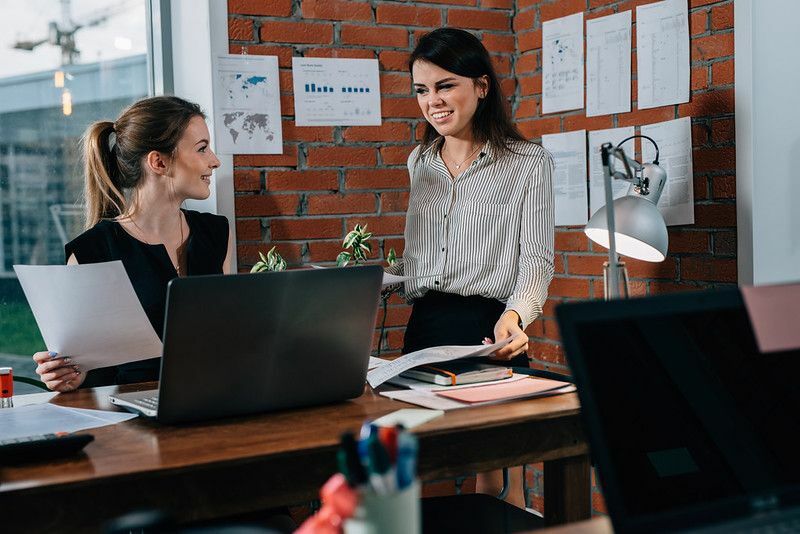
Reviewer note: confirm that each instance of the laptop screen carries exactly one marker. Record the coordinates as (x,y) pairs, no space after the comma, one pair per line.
(683,409)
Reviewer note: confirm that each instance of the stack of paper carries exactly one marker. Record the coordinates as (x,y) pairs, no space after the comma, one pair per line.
(382,373)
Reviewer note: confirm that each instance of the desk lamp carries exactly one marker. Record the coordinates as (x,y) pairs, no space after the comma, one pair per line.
(634,227)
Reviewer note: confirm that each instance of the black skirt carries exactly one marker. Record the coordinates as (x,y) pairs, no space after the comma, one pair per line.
(448,319)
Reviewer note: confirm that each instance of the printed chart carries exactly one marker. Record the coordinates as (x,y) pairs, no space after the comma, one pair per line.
(336,92)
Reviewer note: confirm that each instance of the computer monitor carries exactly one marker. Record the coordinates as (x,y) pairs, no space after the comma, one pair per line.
(687,420)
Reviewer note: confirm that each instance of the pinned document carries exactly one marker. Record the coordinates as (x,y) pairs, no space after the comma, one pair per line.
(662,53)
(569,179)
(608,64)
(562,64)
(597,196)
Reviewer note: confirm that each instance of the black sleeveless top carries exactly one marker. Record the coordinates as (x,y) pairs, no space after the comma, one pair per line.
(150,270)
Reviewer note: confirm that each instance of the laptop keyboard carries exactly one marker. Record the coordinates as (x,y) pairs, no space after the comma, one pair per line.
(150,403)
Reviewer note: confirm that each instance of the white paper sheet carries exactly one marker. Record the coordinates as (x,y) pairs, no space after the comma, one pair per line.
(336,92)
(376,362)
(408,417)
(446,353)
(428,399)
(569,180)
(89,313)
(562,64)
(247,105)
(608,64)
(36,419)
(674,139)
(597,192)
(662,53)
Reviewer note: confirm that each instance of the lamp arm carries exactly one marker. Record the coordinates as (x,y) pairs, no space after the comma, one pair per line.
(613,263)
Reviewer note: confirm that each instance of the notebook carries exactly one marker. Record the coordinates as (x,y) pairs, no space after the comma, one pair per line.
(458,373)
(692,428)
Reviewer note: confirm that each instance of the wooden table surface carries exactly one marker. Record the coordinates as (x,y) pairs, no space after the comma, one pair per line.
(230,466)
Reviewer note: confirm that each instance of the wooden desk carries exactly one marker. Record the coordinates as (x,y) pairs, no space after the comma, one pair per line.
(244,464)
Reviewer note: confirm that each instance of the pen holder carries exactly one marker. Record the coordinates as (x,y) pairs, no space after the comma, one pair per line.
(396,513)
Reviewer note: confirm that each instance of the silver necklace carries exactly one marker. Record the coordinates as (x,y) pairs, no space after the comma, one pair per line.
(458,165)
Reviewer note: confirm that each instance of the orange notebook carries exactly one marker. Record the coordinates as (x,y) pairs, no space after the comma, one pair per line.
(518,389)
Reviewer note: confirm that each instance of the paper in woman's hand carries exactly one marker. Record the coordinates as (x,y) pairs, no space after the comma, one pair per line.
(89,312)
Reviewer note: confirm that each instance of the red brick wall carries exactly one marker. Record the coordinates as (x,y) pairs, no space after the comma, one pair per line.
(330,178)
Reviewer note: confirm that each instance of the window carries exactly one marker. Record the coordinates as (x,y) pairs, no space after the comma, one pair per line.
(63,65)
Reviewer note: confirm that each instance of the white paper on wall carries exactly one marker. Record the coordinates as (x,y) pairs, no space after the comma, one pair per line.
(608,64)
(336,92)
(662,53)
(674,139)
(569,180)
(597,194)
(247,105)
(562,64)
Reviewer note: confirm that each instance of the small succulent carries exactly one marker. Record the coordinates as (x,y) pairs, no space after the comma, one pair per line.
(273,261)
(391,257)
(357,242)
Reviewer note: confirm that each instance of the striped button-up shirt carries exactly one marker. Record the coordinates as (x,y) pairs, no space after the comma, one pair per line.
(487,232)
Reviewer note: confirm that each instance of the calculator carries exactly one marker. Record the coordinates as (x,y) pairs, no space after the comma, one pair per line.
(41,447)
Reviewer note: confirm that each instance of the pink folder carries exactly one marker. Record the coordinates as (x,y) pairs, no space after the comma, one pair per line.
(529,387)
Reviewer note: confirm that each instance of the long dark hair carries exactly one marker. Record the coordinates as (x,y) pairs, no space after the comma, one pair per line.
(114,164)
(461,53)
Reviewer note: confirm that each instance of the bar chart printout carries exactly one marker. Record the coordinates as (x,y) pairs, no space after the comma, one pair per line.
(336,92)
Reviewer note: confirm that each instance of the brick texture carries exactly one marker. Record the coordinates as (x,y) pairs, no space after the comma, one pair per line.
(329,178)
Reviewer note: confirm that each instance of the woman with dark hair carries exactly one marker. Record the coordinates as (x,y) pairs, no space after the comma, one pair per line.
(138,171)
(479,227)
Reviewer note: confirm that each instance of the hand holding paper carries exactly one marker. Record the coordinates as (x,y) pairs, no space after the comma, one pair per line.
(89,313)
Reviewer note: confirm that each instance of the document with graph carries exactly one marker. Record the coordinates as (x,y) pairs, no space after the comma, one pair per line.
(336,92)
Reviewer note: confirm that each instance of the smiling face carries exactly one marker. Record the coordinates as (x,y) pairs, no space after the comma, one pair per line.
(448,101)
(194,162)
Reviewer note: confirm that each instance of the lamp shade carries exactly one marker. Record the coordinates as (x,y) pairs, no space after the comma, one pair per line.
(641,232)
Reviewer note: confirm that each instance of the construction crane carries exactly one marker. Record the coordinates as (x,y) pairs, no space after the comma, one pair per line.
(62,34)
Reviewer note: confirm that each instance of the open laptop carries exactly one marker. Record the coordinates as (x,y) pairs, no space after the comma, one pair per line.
(692,429)
(250,343)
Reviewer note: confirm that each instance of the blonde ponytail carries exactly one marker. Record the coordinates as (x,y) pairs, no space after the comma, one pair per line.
(103,198)
(113,168)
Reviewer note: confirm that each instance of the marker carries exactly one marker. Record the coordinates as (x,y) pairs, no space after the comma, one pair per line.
(388,437)
(407,449)
(349,462)
(367,429)
(381,476)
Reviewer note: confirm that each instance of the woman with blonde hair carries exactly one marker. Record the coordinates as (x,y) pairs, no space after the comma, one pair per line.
(139,169)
